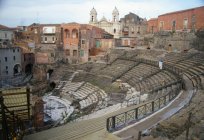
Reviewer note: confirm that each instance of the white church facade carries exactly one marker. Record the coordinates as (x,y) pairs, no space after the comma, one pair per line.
(113,27)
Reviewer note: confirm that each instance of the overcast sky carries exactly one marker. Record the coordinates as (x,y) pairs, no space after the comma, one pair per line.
(26,12)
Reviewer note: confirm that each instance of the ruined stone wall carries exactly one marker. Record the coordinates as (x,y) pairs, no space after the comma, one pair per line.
(39,73)
(169,41)
(199,41)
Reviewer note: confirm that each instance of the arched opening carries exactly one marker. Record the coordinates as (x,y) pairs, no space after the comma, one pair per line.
(28,68)
(114,30)
(17,69)
(74,33)
(67,33)
(67,60)
(138,30)
(4,43)
(92,18)
(170,48)
(52,85)
(114,19)
(50,71)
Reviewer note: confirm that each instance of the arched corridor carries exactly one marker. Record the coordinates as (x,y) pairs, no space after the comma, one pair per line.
(16,69)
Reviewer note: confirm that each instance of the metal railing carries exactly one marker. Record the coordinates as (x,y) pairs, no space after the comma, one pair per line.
(119,121)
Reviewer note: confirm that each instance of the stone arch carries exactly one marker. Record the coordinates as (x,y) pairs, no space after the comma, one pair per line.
(17,69)
(74,33)
(67,33)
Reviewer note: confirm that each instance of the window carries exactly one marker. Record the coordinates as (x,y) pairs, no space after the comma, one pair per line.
(74,33)
(125,42)
(6,67)
(67,34)
(193,22)
(53,38)
(7,72)
(138,30)
(132,30)
(114,31)
(18,50)
(193,18)
(45,38)
(161,25)
(14,50)
(152,29)
(5,35)
(14,58)
(67,52)
(173,25)
(92,18)
(74,52)
(35,31)
(5,59)
(82,41)
(82,53)
(185,24)
(114,19)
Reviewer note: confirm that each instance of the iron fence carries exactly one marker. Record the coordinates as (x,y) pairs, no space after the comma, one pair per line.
(119,121)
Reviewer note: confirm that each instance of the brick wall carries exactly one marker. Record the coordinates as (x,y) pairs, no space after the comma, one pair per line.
(193,17)
(185,20)
(152,25)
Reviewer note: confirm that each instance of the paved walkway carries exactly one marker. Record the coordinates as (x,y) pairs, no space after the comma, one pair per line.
(131,132)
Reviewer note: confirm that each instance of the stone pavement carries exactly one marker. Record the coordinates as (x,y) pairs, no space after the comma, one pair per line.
(100,135)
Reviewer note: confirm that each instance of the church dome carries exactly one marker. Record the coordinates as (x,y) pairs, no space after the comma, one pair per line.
(93,11)
(103,19)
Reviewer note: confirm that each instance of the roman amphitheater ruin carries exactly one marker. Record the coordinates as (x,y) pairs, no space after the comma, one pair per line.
(126,97)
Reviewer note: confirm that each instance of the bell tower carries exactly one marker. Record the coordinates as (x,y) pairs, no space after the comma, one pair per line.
(115,15)
(93,16)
